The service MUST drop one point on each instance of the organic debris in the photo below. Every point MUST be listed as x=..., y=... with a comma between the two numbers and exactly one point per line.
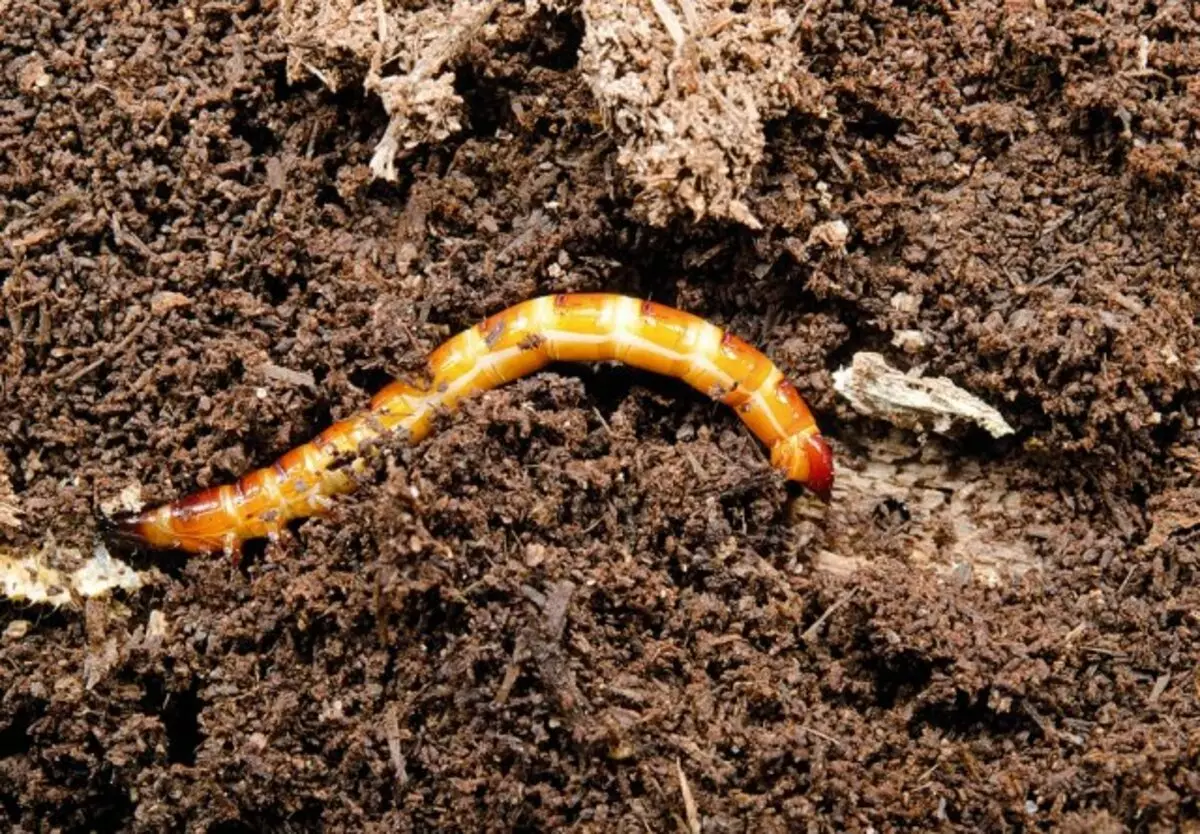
x=686, y=90
x=912, y=402
x=31, y=577
x=334, y=40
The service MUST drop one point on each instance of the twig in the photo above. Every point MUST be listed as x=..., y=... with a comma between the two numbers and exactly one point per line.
x=124, y=236
x=689, y=14
x=465, y=19
x=689, y=802
x=1160, y=686
x=391, y=729
x=812, y=731
x=381, y=21
x=812, y=630
x=603, y=422
x=116, y=351
x=171, y=108
x=669, y=21
x=1128, y=576
x=511, y=673
x=799, y=20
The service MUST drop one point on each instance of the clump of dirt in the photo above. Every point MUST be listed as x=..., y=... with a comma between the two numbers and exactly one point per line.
x=587, y=600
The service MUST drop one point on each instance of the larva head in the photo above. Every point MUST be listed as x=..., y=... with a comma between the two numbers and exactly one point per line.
x=806, y=459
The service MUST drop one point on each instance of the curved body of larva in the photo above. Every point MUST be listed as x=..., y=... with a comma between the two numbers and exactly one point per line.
x=508, y=345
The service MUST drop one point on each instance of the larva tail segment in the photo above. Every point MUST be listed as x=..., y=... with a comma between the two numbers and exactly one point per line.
x=122, y=530
x=195, y=524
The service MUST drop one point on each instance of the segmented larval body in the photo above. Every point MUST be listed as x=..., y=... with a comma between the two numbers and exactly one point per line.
x=504, y=347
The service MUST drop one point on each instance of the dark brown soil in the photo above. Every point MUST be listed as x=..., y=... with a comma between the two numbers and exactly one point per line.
x=588, y=591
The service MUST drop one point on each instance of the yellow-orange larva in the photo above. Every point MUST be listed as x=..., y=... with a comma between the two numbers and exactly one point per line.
x=508, y=345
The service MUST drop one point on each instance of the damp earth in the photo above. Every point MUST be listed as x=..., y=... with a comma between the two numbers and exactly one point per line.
x=587, y=601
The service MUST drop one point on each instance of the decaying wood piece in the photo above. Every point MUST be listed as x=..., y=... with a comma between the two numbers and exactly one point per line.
x=962, y=520
x=422, y=104
x=911, y=402
x=43, y=576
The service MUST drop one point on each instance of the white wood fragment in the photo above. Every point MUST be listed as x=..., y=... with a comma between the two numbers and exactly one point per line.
x=277, y=373
x=103, y=573
x=909, y=341
x=876, y=389
x=30, y=577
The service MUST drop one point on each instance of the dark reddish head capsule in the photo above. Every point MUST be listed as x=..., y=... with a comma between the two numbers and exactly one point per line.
x=820, y=467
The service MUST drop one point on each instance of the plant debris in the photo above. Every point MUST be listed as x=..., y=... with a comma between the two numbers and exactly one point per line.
x=686, y=88
x=912, y=402
x=33, y=577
